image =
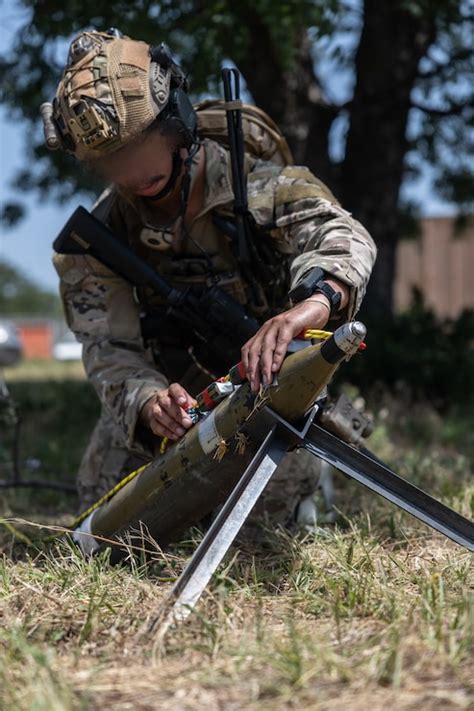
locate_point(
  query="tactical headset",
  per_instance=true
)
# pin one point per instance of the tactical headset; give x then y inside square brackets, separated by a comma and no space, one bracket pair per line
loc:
[178,108]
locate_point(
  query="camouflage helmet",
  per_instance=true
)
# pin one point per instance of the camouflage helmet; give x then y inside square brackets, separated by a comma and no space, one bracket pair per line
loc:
[112,89]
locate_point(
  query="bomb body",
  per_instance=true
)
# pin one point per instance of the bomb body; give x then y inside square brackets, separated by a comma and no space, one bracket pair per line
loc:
[188,481]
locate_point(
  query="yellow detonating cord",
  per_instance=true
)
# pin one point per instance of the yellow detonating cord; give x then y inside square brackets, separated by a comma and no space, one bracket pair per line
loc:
[108,495]
[315,333]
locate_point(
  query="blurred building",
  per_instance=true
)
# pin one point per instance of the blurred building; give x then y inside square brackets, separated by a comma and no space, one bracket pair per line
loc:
[36,336]
[45,338]
[439,262]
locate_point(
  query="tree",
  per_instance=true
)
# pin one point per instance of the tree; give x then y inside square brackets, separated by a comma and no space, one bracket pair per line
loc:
[19,296]
[407,63]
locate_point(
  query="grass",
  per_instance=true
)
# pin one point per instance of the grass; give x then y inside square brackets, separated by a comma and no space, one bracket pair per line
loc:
[58,409]
[375,613]
[41,370]
[350,621]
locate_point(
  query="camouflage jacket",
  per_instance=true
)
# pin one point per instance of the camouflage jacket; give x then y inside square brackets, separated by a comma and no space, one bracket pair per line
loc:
[297,215]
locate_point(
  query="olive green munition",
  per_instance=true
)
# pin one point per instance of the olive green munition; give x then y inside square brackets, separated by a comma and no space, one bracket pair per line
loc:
[196,474]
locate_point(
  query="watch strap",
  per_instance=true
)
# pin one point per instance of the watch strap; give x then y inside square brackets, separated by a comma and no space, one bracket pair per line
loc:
[333,296]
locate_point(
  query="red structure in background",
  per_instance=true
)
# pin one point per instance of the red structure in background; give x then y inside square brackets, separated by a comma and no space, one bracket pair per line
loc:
[37,339]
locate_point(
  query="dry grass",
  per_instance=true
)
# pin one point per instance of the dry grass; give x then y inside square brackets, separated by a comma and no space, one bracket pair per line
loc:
[352,619]
[37,370]
[376,613]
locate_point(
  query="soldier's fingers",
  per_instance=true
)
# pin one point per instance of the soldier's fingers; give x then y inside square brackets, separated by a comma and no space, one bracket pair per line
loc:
[253,370]
[184,419]
[147,411]
[160,430]
[156,422]
[167,404]
[266,357]
[169,421]
[180,401]
[180,395]
[285,335]
[244,352]
[175,412]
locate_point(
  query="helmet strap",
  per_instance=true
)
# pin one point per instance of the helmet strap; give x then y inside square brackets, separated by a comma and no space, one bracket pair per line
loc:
[177,165]
[184,196]
[171,184]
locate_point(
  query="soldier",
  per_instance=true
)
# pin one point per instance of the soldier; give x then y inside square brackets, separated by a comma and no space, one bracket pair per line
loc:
[121,107]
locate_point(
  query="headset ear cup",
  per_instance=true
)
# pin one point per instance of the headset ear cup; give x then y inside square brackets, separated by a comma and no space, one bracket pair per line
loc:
[182,109]
[163,57]
[178,78]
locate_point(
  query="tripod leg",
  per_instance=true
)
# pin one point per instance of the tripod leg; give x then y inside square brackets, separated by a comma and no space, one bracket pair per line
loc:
[219,538]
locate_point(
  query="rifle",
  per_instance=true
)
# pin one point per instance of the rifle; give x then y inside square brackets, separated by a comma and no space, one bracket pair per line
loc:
[208,320]
[244,246]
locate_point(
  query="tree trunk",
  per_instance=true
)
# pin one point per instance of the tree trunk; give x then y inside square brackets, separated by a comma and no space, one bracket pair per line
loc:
[292,98]
[392,43]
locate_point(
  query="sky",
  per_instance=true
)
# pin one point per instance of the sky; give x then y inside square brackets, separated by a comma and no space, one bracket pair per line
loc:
[28,244]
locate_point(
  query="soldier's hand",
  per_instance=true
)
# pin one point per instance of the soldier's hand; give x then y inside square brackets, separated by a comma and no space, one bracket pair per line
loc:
[165,413]
[263,354]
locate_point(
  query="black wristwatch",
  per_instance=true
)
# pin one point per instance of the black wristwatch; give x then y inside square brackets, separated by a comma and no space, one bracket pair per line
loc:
[313,283]
[334,296]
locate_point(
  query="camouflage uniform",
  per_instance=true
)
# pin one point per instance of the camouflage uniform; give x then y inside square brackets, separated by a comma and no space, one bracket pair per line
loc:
[294,213]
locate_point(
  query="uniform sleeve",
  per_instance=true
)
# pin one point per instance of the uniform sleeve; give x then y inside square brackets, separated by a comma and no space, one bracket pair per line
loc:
[101,311]
[309,225]
[330,238]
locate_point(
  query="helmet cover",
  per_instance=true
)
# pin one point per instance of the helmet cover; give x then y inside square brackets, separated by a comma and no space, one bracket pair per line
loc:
[110,91]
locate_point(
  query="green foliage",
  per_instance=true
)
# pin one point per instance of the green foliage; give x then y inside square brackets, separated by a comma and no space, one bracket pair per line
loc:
[443,102]
[11,213]
[434,358]
[203,34]
[19,296]
[408,61]
[57,418]
[456,186]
